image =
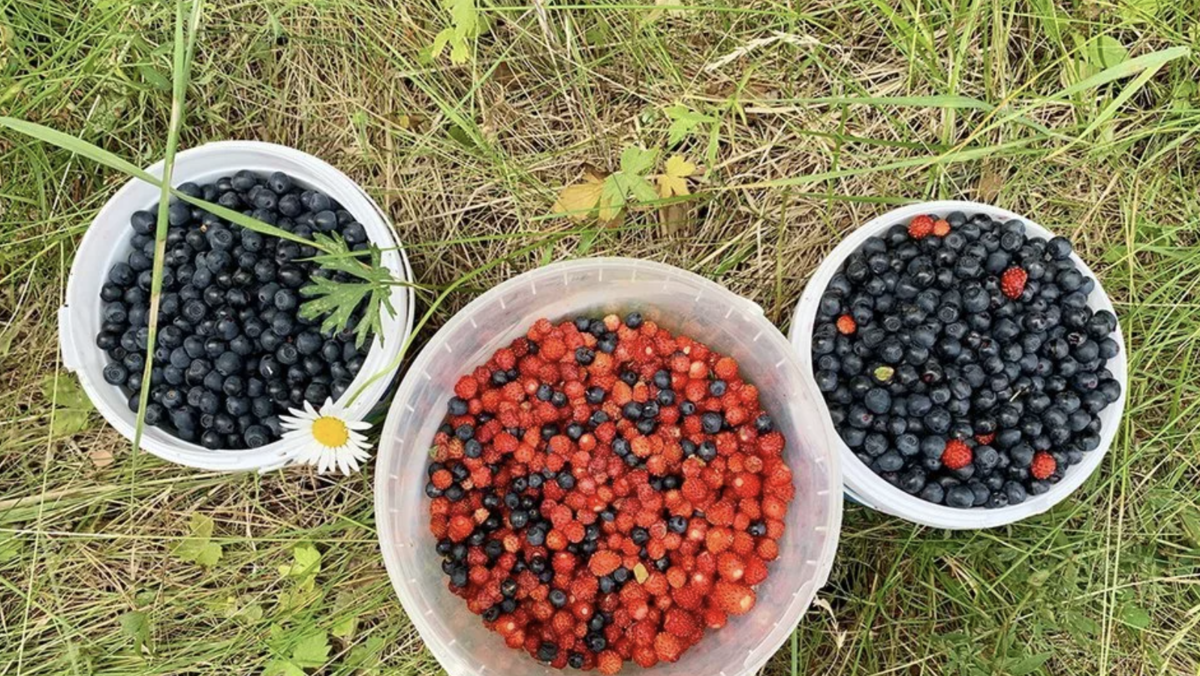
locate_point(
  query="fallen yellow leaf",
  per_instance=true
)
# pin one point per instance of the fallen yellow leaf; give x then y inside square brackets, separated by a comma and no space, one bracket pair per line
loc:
[673,180]
[578,201]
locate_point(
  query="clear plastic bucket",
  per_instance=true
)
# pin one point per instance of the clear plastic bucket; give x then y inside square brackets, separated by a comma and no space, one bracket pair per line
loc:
[868,488]
[107,242]
[681,302]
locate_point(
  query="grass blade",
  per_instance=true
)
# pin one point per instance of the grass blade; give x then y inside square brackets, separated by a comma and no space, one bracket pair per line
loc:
[184,50]
[1146,62]
[77,146]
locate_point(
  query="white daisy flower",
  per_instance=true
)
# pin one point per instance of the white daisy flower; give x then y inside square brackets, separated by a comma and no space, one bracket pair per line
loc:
[325,439]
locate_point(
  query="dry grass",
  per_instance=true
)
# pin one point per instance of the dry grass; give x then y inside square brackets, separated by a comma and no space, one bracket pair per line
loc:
[468,160]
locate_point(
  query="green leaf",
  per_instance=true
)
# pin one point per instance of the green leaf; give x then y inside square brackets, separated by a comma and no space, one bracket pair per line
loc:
[306,562]
[439,43]
[69,421]
[612,197]
[11,547]
[1138,11]
[136,625]
[64,389]
[345,605]
[1191,526]
[683,122]
[365,656]
[465,25]
[641,189]
[1135,617]
[311,651]
[197,547]
[1083,628]
[278,667]
[154,78]
[1028,664]
[345,627]
[1105,51]
[637,161]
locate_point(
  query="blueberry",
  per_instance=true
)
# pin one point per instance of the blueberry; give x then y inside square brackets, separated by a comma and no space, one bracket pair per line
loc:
[960,496]
[933,492]
[711,422]
[878,401]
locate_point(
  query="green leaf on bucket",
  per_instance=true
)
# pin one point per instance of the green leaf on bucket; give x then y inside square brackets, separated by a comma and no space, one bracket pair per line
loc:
[338,300]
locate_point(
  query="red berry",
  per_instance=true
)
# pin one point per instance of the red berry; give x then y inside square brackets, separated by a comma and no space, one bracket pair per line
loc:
[730,566]
[956,455]
[1012,282]
[1043,465]
[680,623]
[941,227]
[920,227]
[466,387]
[604,562]
[985,439]
[732,598]
[846,325]
[667,647]
[609,662]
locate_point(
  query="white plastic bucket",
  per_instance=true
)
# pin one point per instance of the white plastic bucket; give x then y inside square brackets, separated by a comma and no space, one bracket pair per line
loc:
[107,241]
[680,302]
[868,488]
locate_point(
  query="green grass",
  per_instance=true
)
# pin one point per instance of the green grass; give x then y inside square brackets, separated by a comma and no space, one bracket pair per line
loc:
[855,106]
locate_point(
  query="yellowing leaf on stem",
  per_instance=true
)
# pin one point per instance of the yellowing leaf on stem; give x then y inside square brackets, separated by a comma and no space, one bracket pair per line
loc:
[673,181]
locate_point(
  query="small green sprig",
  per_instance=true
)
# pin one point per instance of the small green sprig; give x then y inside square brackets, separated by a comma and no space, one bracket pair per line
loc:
[337,301]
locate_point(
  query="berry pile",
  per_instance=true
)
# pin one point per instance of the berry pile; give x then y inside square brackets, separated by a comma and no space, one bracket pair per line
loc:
[232,352]
[960,360]
[603,491]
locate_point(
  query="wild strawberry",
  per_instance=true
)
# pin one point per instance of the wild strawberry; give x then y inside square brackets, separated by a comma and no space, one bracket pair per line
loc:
[941,227]
[734,599]
[714,618]
[1043,465]
[609,662]
[956,455]
[985,439]
[645,656]
[688,596]
[604,562]
[679,622]
[466,387]
[718,539]
[920,227]
[442,479]
[846,325]
[726,368]
[730,566]
[756,571]
[667,647]
[643,633]
[461,528]
[1012,282]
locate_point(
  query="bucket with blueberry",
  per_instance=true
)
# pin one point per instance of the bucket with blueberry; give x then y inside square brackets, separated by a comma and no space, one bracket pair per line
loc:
[234,351]
[971,368]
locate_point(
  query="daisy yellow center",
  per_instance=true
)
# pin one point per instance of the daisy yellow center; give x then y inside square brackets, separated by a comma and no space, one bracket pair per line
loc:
[331,432]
